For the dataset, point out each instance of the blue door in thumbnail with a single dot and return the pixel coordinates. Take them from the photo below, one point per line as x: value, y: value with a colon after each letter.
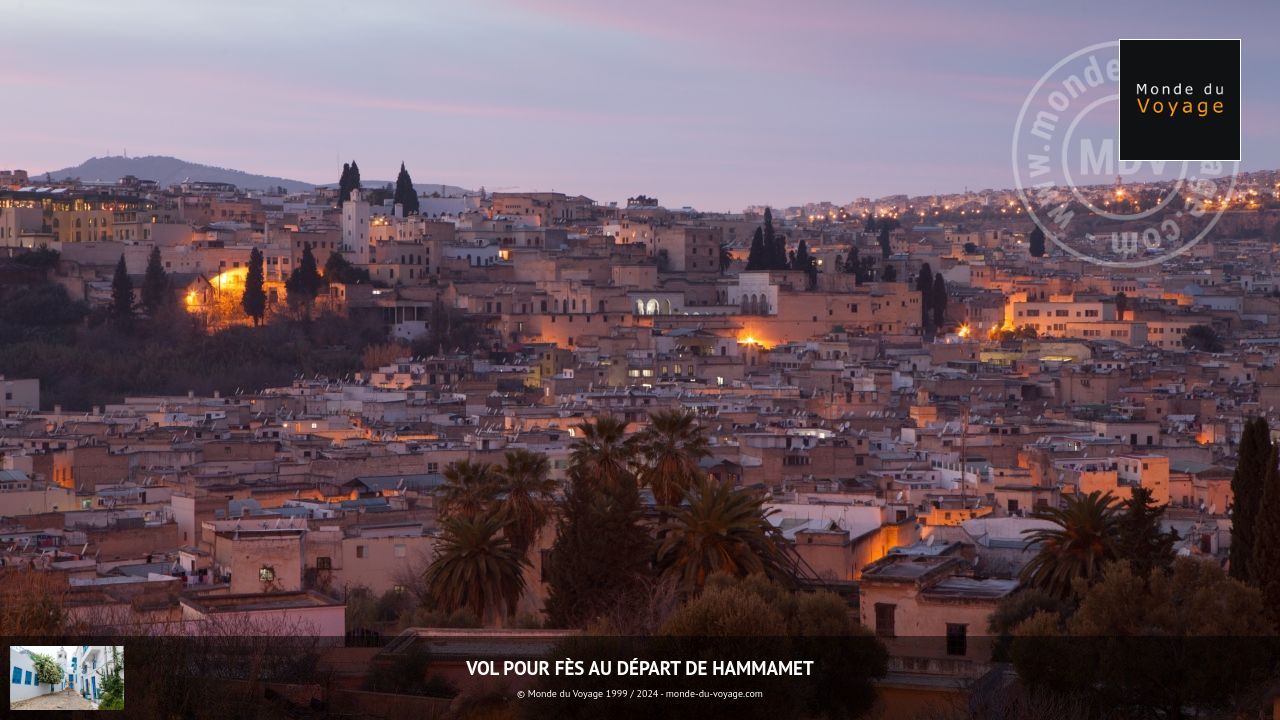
x: 94, y: 682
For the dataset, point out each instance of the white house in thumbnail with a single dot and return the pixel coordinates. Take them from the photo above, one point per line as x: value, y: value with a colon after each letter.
x: 86, y: 667
x: 22, y: 676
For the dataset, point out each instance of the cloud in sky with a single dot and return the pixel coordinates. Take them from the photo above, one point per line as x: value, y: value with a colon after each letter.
x: 698, y: 102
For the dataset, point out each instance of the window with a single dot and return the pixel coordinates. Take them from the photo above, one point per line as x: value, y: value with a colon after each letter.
x: 884, y: 619
x: 17, y: 676
x: 957, y: 639
x: 399, y: 551
x: 359, y: 551
x: 267, y: 574
x: 29, y: 680
x: 324, y: 563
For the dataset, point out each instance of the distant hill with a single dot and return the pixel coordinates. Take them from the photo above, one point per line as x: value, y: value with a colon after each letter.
x: 168, y: 171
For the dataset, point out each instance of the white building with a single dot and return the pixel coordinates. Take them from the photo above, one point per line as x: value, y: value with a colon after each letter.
x: 22, y: 676
x: 87, y: 665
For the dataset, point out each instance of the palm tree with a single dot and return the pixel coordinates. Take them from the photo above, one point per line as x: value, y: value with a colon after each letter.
x: 720, y: 529
x: 1083, y: 541
x: 671, y: 447
x: 476, y: 566
x: 602, y: 454
x: 526, y: 495
x: 469, y: 488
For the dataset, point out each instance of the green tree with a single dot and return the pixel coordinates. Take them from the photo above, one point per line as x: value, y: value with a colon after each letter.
x: 774, y: 245
x: 476, y: 567
x: 1016, y: 609
x: 1122, y: 303
x: 304, y: 283
x: 254, y: 299
x: 886, y: 249
x: 1083, y: 541
x: 1035, y: 242
x: 155, y: 284
x: 344, y: 183
x: 720, y: 529
x: 47, y: 670
x: 121, y: 307
x: 470, y: 488
x: 1246, y: 489
x: 756, y: 258
x: 337, y: 269
x: 601, y: 454
x: 970, y: 249
x: 938, y: 300
x: 1265, y: 567
x: 811, y: 625
x: 1186, y: 638
x: 602, y: 555
x: 1139, y: 539
x: 406, y: 196
x: 728, y: 610
x: 112, y: 697
x: 526, y: 495
x: 1203, y: 338
x: 671, y: 448
x: 924, y: 285
x: 349, y: 181
x: 40, y: 257
x: 890, y: 273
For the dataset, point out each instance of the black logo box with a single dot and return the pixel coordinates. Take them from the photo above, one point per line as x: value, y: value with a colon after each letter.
x: 1185, y: 65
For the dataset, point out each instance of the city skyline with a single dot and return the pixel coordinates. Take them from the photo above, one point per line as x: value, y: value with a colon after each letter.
x: 700, y: 107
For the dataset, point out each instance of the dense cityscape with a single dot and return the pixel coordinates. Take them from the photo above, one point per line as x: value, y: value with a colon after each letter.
x: 394, y: 418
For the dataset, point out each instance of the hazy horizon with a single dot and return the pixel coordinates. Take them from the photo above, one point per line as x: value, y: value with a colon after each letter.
x: 692, y: 104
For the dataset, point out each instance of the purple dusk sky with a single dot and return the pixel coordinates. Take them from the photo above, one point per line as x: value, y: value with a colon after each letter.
x: 712, y: 104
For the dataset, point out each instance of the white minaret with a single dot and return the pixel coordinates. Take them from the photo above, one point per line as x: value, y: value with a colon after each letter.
x: 355, y: 228
x: 65, y: 664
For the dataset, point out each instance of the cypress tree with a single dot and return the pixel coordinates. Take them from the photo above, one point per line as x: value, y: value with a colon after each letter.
x: 355, y: 176
x: 775, y: 248
x: 1265, y: 565
x: 254, y: 300
x: 405, y: 195
x: 601, y: 555
x: 1246, y: 488
x: 344, y: 183
x: 155, y: 284
x: 121, y: 307
x: 939, y: 300
x: 756, y: 259
x: 885, y: 249
x: 802, y: 258
x: 1036, y: 242
x: 924, y: 280
x: 304, y: 282
x: 1140, y: 541
x: 889, y: 274
x: 781, y: 258
x: 924, y: 285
